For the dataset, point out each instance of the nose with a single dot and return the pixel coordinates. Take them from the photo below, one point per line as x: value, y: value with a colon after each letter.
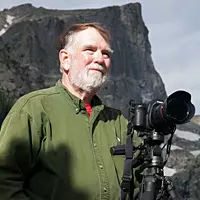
x: 98, y: 57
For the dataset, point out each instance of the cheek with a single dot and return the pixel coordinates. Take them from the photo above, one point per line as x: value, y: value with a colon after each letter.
x: 107, y: 64
x: 86, y: 58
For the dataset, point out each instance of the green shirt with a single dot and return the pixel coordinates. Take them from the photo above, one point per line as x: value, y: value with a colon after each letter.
x: 50, y: 149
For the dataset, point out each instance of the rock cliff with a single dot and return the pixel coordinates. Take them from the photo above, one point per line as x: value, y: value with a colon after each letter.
x: 28, y: 58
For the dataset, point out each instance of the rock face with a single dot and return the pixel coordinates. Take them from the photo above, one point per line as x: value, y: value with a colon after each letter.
x: 196, y: 119
x: 187, y: 182
x: 28, y: 61
x: 29, y: 57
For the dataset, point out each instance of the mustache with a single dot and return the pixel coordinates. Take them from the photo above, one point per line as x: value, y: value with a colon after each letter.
x: 98, y: 67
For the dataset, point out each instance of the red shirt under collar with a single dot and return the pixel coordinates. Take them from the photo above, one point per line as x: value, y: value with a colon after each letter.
x: 88, y: 107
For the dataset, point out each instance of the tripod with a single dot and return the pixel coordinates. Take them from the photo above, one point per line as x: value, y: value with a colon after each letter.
x: 155, y: 186
x: 152, y: 122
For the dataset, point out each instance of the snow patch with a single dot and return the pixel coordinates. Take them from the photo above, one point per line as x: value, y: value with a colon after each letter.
x: 2, y: 31
x: 9, y: 20
x: 169, y: 171
x: 195, y: 152
x: 187, y: 135
x: 174, y: 147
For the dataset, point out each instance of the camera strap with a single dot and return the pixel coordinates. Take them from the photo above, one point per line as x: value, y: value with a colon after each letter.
x: 127, y: 173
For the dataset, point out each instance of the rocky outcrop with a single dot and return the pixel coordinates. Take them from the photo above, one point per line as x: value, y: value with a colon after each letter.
x: 29, y: 58
x: 187, y: 182
x: 196, y: 119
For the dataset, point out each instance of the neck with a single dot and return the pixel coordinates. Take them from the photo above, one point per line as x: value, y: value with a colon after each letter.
x: 83, y: 95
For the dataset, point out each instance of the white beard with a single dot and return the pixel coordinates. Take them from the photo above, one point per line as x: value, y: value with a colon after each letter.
x: 88, y: 80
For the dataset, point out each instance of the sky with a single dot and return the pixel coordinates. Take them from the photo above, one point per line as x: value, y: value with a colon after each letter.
x: 174, y: 34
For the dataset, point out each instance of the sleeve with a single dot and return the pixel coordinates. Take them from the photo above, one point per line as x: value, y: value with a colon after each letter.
x: 19, y: 143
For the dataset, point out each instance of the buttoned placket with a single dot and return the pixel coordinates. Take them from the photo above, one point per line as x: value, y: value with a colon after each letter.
x: 104, y: 183
x: 102, y: 172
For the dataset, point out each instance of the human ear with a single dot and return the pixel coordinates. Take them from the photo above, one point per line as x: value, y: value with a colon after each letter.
x: 64, y: 58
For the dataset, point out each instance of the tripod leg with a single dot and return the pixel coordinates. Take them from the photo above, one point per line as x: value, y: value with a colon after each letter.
x: 148, y: 188
x: 171, y: 189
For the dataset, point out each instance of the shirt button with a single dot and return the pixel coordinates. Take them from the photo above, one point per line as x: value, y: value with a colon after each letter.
x: 77, y: 110
x: 105, y: 189
x: 95, y: 145
x: 101, y: 167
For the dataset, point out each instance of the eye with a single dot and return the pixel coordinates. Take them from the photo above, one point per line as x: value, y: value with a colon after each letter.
x: 90, y: 50
x: 106, y: 54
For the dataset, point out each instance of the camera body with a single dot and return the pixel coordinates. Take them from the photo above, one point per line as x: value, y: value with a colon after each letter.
x: 163, y: 115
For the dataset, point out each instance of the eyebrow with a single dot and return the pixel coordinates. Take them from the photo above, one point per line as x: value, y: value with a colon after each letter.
x: 109, y: 50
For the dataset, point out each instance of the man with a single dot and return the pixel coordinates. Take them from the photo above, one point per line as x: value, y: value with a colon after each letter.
x: 55, y: 143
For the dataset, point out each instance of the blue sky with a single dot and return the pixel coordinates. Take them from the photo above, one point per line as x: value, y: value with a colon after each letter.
x: 174, y: 33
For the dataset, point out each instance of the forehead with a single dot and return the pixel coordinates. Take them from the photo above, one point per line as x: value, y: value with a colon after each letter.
x: 90, y: 36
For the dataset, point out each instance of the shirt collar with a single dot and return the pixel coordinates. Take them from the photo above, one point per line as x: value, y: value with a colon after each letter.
x: 95, y: 102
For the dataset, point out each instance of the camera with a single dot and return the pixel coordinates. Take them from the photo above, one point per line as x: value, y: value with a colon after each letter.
x: 160, y: 115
